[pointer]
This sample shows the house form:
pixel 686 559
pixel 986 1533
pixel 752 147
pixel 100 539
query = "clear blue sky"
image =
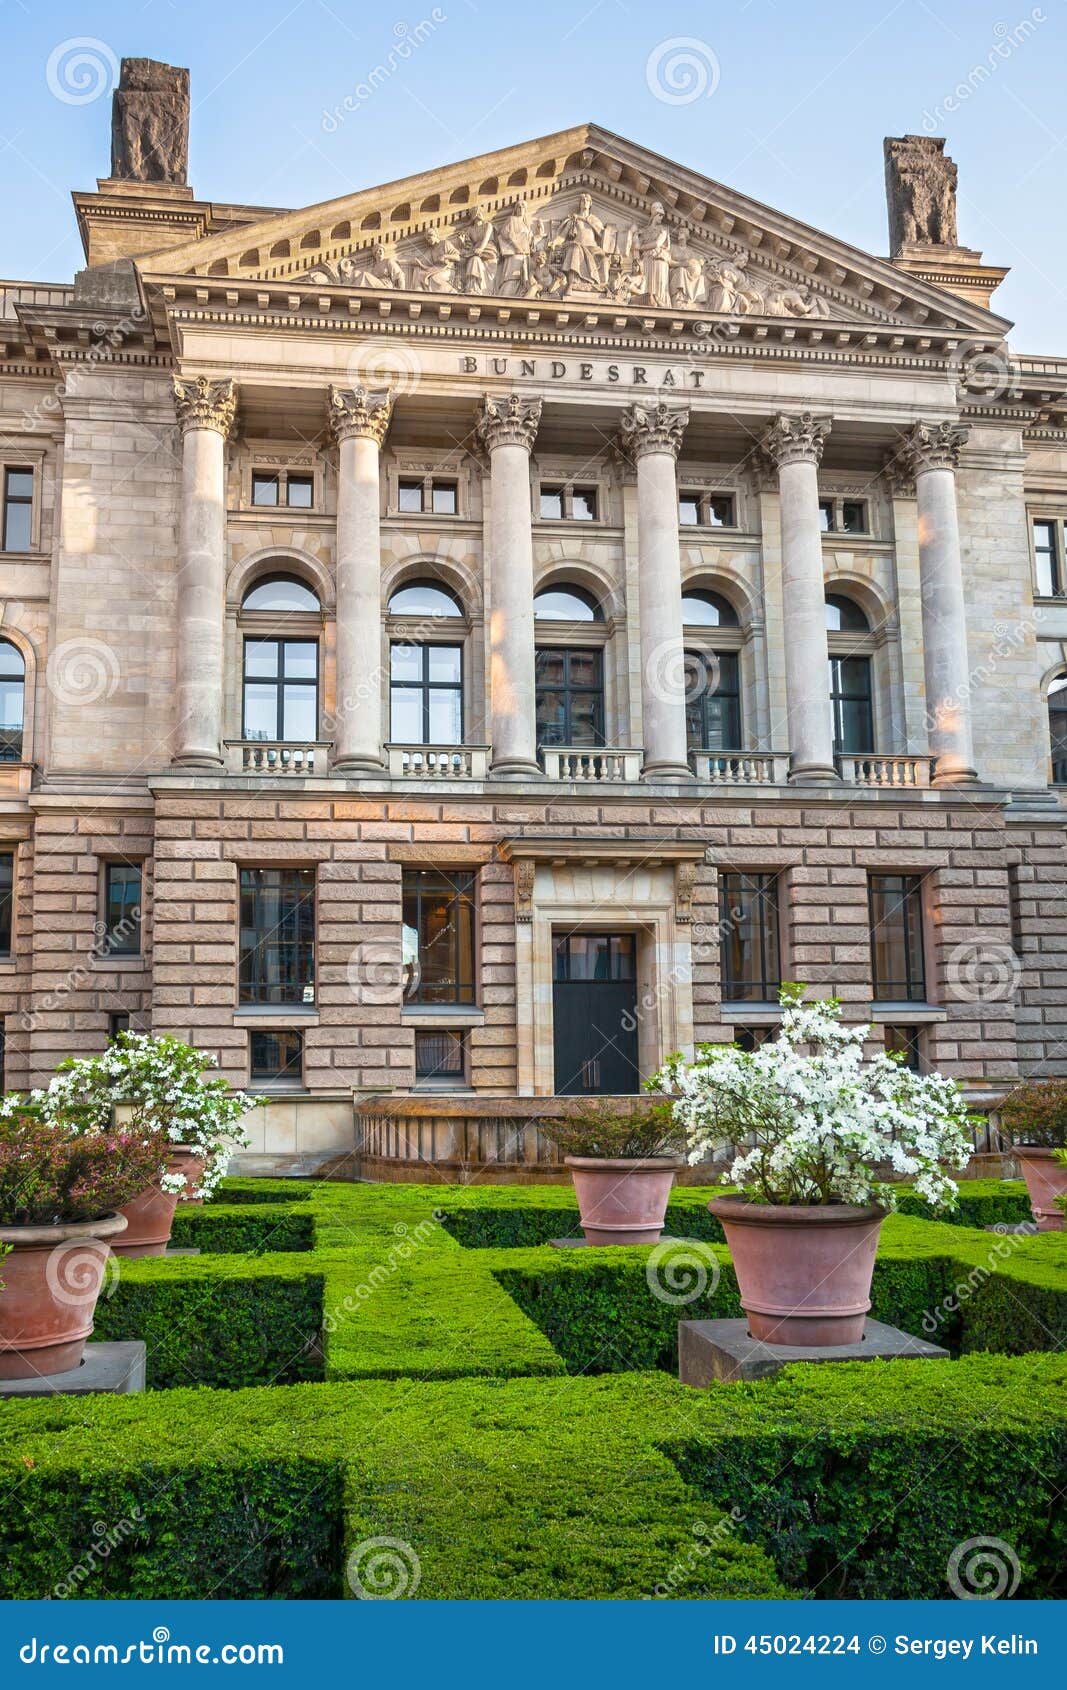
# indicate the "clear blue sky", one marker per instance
pixel 803 94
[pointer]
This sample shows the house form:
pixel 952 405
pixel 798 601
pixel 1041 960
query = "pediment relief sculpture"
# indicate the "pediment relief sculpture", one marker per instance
pixel 576 255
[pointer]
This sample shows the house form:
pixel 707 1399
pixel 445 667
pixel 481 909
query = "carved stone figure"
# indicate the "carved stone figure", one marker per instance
pixel 439 271
pixel 732 292
pixel 479 254
pixel 150 123
pixel 516 238
pixel 654 251
pixel 688 283
pixel 792 302
pixel 583 253
pixel 920 183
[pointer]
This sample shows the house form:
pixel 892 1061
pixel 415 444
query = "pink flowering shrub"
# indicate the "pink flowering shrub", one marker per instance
pixel 49 1177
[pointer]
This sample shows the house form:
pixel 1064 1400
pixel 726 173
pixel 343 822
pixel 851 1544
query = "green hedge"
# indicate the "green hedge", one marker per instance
pixel 240 1229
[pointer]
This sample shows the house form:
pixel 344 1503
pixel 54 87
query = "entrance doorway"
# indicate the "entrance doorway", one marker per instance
pixel 594 1002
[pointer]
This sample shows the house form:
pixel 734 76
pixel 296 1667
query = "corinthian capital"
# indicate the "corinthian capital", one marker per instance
pixel 933 446
pixel 360 412
pixel 652 428
pixel 796 440
pixel 201 403
pixel 510 421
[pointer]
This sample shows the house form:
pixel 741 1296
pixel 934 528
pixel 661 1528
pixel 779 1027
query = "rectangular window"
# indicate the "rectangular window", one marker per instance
pixel 276 1056
pixel 826 515
pixel 750 1038
pixel 551 503
pixel 3 1058
pixel 7 900
pixel 897 938
pixel 583 504
pixel 426 694
pixel 440 1054
pixel 409 496
pixel 300 491
pixel 689 510
pixel 1048 575
pixel 903 1041
pixel 444 498
pixel 266 487
pixel 18 509
pixel 117 1022
pixel 122 908
pixel 853 516
pixel 281 694
pixel 750 954
pixel 277 937
pixel 438 936
pixel 706 510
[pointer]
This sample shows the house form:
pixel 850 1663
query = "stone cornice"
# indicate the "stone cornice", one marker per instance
pixel 652 428
pixel 203 403
pixel 795 439
pixel 509 420
pixel 361 413
pixel 933 446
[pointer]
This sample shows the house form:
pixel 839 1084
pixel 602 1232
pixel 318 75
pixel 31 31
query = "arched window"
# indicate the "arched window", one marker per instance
pixel 1057 728
pixel 850 679
pixel 426 673
pixel 425 598
pixel 566 604
pixel 12 701
pixel 702 609
pixel 281 672
pixel 712 676
pixel 280 593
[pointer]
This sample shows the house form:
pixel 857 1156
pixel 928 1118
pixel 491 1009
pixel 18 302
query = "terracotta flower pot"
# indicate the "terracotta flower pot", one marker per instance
pixel 622 1200
pixel 804 1273
pixel 51 1282
pixel 1046 1179
pixel 151 1213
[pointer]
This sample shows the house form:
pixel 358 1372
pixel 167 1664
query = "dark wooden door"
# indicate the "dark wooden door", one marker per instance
pixel 594 1003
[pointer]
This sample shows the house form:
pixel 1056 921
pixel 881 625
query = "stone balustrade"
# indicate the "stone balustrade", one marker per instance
pixel 893 771
pixel 273 757
pixel 593 765
pixel 438 762
pixel 742 768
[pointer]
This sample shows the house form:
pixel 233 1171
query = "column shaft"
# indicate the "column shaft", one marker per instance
pixel 506 428
pixel 205 413
pixel 359 420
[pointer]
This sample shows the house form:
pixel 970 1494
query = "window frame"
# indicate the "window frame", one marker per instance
pixel 124 952
pixel 719 657
pixel 280 681
pixel 833 506
pixel 14 750
pixel 1057 688
pixel 463 909
pixel 18 501
pixel 911 897
pixel 764 887
pixel 705 499
pixel 1057 551
pixel 566 487
pixel 427 688
pixel 280 472
pixel 459 1038
pixel 428 484
pixel 8 854
pixel 281 1078
pixel 251 986
pixel 569 691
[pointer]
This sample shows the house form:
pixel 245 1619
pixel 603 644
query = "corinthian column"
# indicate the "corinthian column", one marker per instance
pixel 506 429
pixel 932 451
pixel 206 411
pixel 359 421
pixel 651 435
pixel 794 444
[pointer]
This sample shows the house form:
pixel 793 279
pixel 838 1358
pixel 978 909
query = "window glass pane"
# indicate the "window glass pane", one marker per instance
pixel 277 935
pixel 423 598
pixel 7 881
pixel 896 938
pixel 444 498
pixel 280 592
pixel 299 721
pixel 844 616
pixel 549 668
pixel 721 511
pixel 409 495
pixel 261 711
pixel 299 491
pixel 261 657
pixel 584 668
pixel 276 1055
pixel 1046 558
pixel 750 953
pixel 301 659
pixel 583 504
pixel 708 610
pixel 903 1041
pixel 551 502
pixel 439 908
pixel 826 515
pixel 17 527
pixel 405 662
pixel 854 517
pixel 406 716
pixel 585 719
pixel 565 604
pixel 122 914
pixel 551 718
pixel 445 717
pixel 12 700
pixel 20 484
pixel 689 511
pixel 445 662
pixel 264 489
pixel 439 1054
pixel 11 659
pixel 1057 723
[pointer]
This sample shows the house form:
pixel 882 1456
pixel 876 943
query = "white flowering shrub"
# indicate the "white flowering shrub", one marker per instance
pixel 165 1082
pixel 812 1123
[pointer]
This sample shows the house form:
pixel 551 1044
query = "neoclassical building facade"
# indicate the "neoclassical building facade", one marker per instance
pixel 466 640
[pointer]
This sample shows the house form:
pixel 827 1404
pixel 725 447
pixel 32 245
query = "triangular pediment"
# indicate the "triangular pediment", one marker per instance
pixel 580 217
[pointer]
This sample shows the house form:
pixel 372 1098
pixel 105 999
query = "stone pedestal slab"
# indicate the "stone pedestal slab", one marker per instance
pixel 721 1352
pixel 116 1368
